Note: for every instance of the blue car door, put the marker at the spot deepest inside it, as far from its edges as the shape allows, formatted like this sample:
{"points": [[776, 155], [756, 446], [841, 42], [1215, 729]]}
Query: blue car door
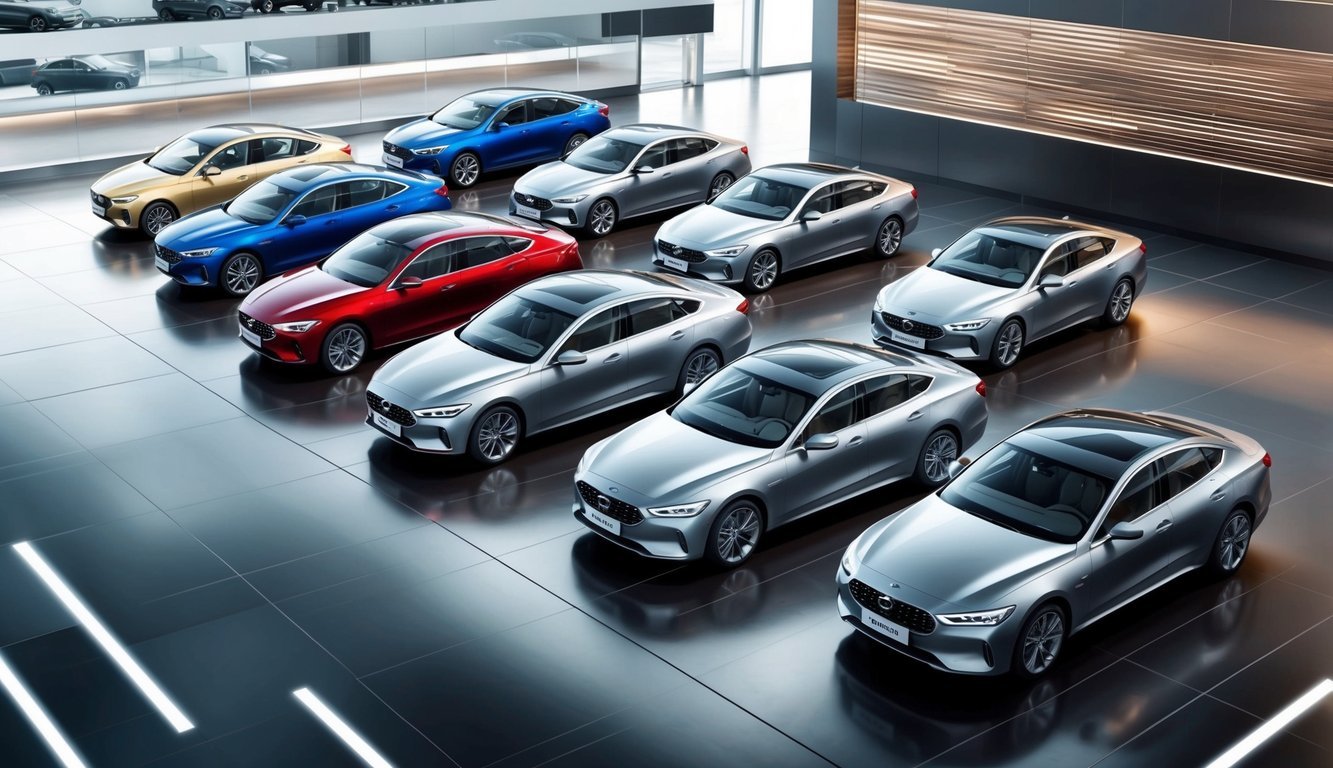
{"points": [[310, 230], [550, 127], [507, 137]]}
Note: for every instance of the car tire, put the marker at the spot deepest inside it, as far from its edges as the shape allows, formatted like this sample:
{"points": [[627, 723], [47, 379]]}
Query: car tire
{"points": [[344, 348], [166, 15], [266, 6], [1008, 344], [602, 217], [311, 7], [465, 170], [44, 89], [120, 85], [240, 274], [888, 238], [575, 142], [762, 271], [155, 217], [719, 184], [1231, 545], [215, 12], [495, 435], [734, 534], [1119, 304], [699, 365], [1040, 642], [38, 24], [937, 453]]}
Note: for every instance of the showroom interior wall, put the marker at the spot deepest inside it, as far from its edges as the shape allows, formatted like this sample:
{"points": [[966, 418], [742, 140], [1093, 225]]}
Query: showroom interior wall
{"points": [[1253, 208]]}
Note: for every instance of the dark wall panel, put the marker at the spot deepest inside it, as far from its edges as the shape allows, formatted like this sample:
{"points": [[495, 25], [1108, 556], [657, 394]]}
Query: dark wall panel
{"points": [[1304, 26], [1177, 193], [1070, 172], [682, 20], [847, 141], [1195, 18], [1106, 13], [901, 140], [985, 156], [1011, 7], [1277, 213]]}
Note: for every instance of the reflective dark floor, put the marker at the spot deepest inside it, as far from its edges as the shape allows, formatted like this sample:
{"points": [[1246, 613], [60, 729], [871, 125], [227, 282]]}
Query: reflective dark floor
{"points": [[244, 535]]}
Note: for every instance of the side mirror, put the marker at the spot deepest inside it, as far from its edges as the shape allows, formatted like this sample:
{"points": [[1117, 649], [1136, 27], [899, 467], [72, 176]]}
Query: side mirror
{"points": [[1126, 531], [411, 281], [811, 216], [211, 170], [957, 466], [499, 126], [936, 252], [1050, 281], [571, 357], [821, 442], [294, 221], [644, 169]]}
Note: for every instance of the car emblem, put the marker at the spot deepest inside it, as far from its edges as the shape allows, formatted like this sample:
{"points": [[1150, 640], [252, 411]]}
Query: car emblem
{"points": [[908, 325], [677, 250], [894, 585], [885, 603], [614, 489], [910, 312], [602, 503], [385, 406]]}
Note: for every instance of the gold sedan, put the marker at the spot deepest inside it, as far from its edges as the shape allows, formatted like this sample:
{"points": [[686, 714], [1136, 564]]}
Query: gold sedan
{"points": [[204, 168]]}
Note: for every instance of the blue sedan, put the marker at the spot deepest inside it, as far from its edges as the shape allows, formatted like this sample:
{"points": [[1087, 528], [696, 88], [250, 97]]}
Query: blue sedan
{"points": [[289, 219], [494, 129]]}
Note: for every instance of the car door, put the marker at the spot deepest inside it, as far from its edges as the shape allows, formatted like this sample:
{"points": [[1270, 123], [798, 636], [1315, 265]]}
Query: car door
{"points": [[1092, 276], [548, 129], [222, 175], [571, 392], [485, 268], [1199, 499], [1054, 308], [812, 240], [817, 478], [1121, 568], [360, 205], [58, 75], [897, 422], [862, 211], [273, 154], [309, 231], [509, 140], [661, 334], [402, 314], [695, 168], [652, 190]]}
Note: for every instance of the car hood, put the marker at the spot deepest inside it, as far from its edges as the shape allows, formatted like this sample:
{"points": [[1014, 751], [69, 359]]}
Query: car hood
{"points": [[663, 459], [423, 132], [443, 369], [297, 295], [956, 557], [200, 230], [707, 226], [131, 178], [558, 179], [941, 297]]}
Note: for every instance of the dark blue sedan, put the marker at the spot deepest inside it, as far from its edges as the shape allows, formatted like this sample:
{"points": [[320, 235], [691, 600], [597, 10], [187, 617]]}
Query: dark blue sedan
{"points": [[494, 129], [289, 219]]}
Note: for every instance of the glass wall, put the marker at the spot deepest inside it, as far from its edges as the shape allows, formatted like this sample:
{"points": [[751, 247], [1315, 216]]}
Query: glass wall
{"points": [[727, 48], [786, 31]]}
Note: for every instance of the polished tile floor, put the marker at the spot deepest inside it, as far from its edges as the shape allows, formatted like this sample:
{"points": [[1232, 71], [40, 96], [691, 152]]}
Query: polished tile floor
{"points": [[244, 535]]}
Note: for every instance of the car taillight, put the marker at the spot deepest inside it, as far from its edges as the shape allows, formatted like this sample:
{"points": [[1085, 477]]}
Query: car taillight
{"points": [[603, 109], [1143, 248], [981, 388], [915, 193], [745, 150], [743, 307], [347, 150], [1268, 459], [442, 190]]}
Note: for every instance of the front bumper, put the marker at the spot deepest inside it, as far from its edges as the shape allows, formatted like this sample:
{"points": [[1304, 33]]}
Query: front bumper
{"points": [[283, 347], [729, 270], [432, 164], [200, 273], [663, 538], [969, 345], [559, 214], [442, 436], [119, 216]]}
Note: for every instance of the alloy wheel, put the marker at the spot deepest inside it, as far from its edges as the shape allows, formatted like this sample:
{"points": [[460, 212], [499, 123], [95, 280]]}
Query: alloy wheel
{"points": [[575, 142], [498, 435], [700, 366], [37, 24], [120, 85], [347, 347], [1122, 298], [602, 217], [940, 453], [1010, 343], [764, 270], [242, 274], [156, 218], [1235, 541], [738, 533], [719, 185], [466, 170], [1042, 642], [890, 237]]}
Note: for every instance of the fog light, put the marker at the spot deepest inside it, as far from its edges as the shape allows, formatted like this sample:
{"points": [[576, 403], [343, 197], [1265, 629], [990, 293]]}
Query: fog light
{"points": [[726, 271], [680, 537], [987, 654], [444, 438], [572, 219]]}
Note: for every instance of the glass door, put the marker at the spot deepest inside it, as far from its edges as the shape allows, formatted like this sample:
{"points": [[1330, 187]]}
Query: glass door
{"points": [[665, 62]]}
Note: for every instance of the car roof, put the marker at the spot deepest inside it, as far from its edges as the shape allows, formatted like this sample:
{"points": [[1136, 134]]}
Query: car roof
{"points": [[307, 176], [646, 132], [1103, 441], [255, 128], [808, 175], [575, 293], [414, 229], [1039, 231], [815, 366], [498, 96]]}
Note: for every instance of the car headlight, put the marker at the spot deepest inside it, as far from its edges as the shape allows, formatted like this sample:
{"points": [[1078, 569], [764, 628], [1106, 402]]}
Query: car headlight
{"points": [[728, 252], [198, 253], [300, 326], [570, 199], [124, 200], [442, 412], [679, 510], [967, 325], [976, 618], [430, 150]]}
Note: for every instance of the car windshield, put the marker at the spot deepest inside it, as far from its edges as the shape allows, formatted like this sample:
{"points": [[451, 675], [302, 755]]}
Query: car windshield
{"points": [[463, 113], [1029, 493], [178, 157], [516, 329], [604, 155], [260, 203], [761, 198], [989, 258], [98, 62], [740, 407], [366, 260]]}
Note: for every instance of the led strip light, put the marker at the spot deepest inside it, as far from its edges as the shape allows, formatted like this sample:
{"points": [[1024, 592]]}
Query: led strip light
{"points": [[45, 727], [341, 729], [1277, 722]]}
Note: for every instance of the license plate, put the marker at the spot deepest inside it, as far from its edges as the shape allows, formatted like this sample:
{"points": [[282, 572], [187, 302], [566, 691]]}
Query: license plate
{"points": [[161, 264], [386, 424], [393, 160], [251, 337], [523, 210], [680, 264], [609, 523], [884, 626], [98, 210], [911, 341]]}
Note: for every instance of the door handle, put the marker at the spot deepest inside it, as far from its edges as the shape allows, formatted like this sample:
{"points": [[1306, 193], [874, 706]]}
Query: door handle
{"points": [[613, 358], [447, 287], [393, 207], [1218, 496], [1162, 526], [564, 122], [836, 221], [915, 415], [242, 178], [855, 441], [677, 336], [1073, 282], [876, 206]]}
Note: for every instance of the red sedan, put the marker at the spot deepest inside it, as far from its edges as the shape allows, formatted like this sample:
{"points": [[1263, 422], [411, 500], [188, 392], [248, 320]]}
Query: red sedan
{"points": [[399, 282]]}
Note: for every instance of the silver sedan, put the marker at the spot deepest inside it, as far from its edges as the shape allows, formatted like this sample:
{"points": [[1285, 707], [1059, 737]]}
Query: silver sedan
{"points": [[558, 349], [775, 436], [629, 171], [786, 216], [1008, 283], [1059, 525]]}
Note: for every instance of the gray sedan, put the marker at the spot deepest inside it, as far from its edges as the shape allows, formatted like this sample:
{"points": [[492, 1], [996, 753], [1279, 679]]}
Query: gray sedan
{"points": [[1061, 524], [1005, 284], [786, 216], [629, 171], [554, 351], [775, 436]]}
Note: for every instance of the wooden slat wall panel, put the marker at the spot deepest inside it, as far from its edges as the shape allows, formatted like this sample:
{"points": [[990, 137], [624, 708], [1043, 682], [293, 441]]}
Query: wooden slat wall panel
{"points": [[1268, 110]]}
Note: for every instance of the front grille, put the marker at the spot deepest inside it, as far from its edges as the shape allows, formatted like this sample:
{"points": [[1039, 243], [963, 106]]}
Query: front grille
{"points": [[395, 413], [397, 151], [532, 201], [625, 513], [680, 252], [257, 327], [166, 254], [919, 621], [912, 327], [101, 200]]}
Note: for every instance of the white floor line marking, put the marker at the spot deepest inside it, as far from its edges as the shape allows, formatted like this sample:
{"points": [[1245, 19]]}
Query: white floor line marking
{"points": [[1277, 722], [32, 709], [341, 729]]}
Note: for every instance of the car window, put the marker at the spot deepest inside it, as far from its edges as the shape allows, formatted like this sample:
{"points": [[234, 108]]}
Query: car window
{"points": [[1184, 469], [517, 244], [859, 191], [824, 200], [483, 250], [516, 114], [760, 198], [884, 393], [692, 146], [917, 384], [59, 65], [362, 192], [550, 106], [1057, 265], [597, 331], [317, 202], [742, 407], [275, 148], [647, 314], [1088, 251], [306, 146], [655, 156], [1143, 493], [1213, 456], [231, 156], [836, 414], [437, 260]]}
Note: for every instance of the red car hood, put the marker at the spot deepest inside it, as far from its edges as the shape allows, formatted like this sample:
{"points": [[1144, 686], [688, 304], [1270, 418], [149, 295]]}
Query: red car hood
{"points": [[299, 295]]}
